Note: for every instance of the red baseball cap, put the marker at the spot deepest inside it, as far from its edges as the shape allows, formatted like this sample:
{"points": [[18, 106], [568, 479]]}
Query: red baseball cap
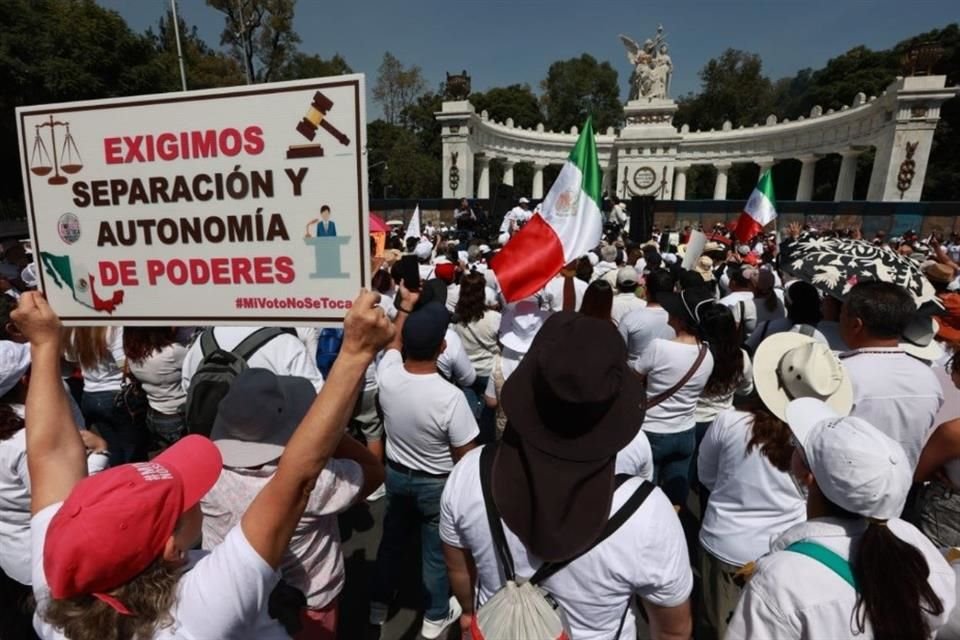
{"points": [[114, 524], [445, 271]]}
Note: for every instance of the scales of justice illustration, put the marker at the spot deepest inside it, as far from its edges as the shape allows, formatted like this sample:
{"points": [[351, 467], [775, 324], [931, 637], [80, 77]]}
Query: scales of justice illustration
{"points": [[68, 161]]}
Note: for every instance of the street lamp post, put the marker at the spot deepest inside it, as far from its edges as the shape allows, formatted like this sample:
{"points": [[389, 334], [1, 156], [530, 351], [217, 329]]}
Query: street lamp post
{"points": [[176, 34]]}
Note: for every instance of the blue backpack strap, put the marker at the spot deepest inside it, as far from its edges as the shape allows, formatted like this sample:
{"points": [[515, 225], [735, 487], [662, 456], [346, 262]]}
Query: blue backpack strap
{"points": [[826, 557]]}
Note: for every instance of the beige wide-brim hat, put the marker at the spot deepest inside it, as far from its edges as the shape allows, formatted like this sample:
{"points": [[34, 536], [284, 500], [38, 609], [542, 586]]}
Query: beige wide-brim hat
{"points": [[788, 366]]}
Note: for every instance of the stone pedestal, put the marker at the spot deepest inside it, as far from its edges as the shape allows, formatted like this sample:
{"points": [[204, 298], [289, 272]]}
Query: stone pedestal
{"points": [[647, 149]]}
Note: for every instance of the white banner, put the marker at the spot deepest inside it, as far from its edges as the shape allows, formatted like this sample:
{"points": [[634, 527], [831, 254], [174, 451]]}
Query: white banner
{"points": [[695, 246], [244, 205]]}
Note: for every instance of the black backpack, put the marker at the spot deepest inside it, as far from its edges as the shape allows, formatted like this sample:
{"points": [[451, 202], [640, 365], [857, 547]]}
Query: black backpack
{"points": [[216, 373]]}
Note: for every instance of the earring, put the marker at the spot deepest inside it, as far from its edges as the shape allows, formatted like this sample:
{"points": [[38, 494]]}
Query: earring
{"points": [[182, 554]]}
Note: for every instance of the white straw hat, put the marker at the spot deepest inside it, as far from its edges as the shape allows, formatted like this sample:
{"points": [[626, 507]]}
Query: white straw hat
{"points": [[791, 365]]}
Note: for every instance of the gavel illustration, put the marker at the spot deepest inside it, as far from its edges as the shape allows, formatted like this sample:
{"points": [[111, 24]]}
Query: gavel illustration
{"points": [[317, 117]]}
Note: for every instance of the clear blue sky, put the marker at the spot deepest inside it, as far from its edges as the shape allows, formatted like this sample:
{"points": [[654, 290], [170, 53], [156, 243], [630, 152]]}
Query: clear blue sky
{"points": [[501, 42]]}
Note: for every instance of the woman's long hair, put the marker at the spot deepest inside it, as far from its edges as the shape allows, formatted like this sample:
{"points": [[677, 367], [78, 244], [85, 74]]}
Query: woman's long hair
{"points": [[769, 434], [892, 577], [597, 300], [472, 303], [139, 343], [88, 346], [719, 330], [150, 596], [10, 422]]}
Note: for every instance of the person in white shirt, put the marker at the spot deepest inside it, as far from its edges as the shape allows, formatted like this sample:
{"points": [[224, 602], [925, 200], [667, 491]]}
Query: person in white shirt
{"points": [[284, 355], [572, 407], [565, 284], [745, 462], [254, 423], [677, 372], [853, 569], [803, 308], [119, 542], [429, 428], [99, 352], [626, 299], [515, 218], [607, 267], [155, 359], [893, 391], [740, 298], [618, 215], [478, 327], [641, 326]]}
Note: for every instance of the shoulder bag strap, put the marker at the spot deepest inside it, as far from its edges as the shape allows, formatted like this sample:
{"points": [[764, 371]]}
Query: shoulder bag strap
{"points": [[208, 342], [827, 558], [493, 514], [480, 342], [252, 343], [616, 521], [660, 397]]}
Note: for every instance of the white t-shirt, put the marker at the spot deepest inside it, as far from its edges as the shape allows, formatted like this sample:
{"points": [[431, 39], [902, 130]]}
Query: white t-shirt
{"points": [[733, 301], [896, 393], [423, 415], [636, 459], [161, 374], [639, 328], [646, 556], [624, 303], [454, 363], [480, 340], [708, 408], [107, 375], [15, 505], [223, 594], [665, 362], [553, 293], [314, 562], [794, 596], [284, 355], [751, 501]]}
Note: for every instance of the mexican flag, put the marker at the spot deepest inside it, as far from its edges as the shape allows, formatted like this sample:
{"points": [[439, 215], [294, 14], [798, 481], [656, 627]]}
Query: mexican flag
{"points": [[569, 224], [80, 281], [760, 210]]}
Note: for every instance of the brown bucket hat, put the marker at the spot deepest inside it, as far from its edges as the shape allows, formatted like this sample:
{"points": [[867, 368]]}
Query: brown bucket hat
{"points": [[572, 404]]}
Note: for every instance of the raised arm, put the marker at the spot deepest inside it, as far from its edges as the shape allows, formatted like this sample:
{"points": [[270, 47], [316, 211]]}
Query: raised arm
{"points": [[56, 456], [270, 520]]}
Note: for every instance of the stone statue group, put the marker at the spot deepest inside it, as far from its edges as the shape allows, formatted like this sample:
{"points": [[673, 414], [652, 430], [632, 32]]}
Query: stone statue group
{"points": [[652, 66]]}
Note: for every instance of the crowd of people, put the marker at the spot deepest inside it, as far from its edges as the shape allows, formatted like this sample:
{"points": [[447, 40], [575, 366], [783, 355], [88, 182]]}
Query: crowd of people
{"points": [[723, 451]]}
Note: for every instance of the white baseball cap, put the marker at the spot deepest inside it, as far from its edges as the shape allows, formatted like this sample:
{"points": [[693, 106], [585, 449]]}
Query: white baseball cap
{"points": [[14, 364], [857, 467], [423, 251], [523, 201]]}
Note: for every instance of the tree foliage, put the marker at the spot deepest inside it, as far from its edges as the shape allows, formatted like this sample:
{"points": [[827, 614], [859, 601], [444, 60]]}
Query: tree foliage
{"points": [[259, 33], [397, 87], [302, 65], [205, 68], [516, 101], [734, 89], [578, 87]]}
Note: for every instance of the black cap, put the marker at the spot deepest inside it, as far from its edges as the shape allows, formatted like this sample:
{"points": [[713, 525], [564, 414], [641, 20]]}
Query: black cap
{"points": [[424, 330]]}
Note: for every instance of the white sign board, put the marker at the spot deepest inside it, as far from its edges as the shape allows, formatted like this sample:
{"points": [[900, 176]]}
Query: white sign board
{"points": [[245, 205]]}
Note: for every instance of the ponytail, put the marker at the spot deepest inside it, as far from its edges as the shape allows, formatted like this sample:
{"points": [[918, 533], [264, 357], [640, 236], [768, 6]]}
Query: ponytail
{"points": [[894, 588]]}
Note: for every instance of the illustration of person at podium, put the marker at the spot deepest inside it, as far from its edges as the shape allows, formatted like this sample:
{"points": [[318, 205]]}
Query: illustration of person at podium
{"points": [[326, 228]]}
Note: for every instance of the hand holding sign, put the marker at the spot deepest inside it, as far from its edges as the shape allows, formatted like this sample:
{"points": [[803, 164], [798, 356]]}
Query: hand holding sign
{"points": [[36, 320]]}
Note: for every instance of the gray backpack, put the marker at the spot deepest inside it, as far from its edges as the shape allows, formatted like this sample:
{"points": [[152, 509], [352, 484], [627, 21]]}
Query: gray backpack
{"points": [[217, 371]]}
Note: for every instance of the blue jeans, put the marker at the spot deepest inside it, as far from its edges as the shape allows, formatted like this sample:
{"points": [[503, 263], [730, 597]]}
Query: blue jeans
{"points": [[127, 442], [672, 457], [413, 502], [165, 429]]}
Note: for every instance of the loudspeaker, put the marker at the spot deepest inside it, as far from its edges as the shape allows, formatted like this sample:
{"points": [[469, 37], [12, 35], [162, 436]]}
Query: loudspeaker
{"points": [[641, 218]]}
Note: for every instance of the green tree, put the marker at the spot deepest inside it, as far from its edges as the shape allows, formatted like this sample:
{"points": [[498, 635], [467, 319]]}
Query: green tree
{"points": [[303, 65], [397, 87], [205, 68], [733, 88], [58, 51], [259, 33], [400, 168], [420, 119], [516, 101], [578, 87]]}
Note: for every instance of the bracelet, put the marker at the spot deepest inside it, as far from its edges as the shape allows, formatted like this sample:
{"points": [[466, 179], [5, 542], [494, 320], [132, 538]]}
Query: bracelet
{"points": [[406, 311]]}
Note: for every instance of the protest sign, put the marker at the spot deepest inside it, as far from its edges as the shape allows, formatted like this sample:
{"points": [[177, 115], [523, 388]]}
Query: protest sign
{"points": [[245, 205]]}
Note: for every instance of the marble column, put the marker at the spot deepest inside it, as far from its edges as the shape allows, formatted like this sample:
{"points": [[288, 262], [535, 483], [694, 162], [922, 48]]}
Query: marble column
{"points": [[848, 173], [808, 165], [763, 164], [680, 181], [483, 184], [538, 180], [508, 172], [720, 186]]}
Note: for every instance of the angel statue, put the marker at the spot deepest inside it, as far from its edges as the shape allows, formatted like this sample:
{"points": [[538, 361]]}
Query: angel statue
{"points": [[652, 66]]}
